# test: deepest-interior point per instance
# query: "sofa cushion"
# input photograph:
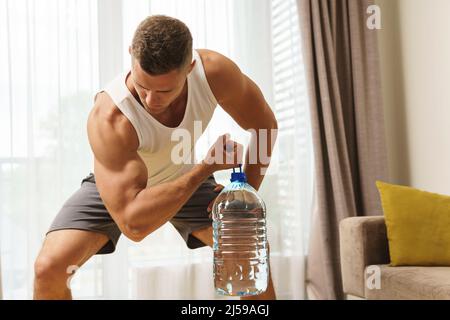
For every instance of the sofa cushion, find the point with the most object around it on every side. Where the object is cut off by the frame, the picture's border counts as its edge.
(418, 225)
(412, 283)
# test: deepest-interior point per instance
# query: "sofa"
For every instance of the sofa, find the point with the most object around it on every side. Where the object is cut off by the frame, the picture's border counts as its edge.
(366, 273)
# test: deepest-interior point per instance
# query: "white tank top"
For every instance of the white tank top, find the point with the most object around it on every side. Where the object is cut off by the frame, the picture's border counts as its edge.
(155, 139)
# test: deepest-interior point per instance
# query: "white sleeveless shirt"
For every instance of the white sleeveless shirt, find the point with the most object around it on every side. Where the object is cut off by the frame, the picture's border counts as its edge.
(155, 139)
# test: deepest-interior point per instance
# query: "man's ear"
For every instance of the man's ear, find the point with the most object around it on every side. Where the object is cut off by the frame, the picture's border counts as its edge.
(129, 49)
(192, 66)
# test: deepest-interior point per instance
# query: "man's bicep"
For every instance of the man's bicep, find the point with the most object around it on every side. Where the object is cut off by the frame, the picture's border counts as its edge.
(238, 95)
(118, 186)
(249, 108)
(119, 171)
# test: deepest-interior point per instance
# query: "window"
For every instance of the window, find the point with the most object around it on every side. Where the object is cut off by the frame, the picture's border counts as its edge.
(294, 172)
(48, 74)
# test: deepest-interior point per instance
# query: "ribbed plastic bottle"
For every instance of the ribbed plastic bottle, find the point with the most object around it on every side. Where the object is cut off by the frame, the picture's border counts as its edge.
(241, 258)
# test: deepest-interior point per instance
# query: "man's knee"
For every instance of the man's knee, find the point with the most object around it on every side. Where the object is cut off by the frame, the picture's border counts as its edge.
(52, 269)
(205, 235)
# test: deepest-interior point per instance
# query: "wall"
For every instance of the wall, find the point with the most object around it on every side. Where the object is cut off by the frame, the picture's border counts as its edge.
(415, 67)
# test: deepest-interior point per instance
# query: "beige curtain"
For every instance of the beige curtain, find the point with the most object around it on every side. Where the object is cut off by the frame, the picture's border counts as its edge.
(341, 58)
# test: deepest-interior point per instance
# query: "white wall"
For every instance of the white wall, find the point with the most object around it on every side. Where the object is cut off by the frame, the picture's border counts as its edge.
(415, 65)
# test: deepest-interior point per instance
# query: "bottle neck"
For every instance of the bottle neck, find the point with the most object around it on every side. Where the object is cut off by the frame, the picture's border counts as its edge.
(238, 176)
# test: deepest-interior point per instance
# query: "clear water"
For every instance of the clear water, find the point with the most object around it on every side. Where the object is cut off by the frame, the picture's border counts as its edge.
(240, 251)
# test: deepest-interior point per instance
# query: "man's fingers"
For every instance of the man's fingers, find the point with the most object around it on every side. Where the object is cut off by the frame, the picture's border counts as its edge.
(210, 206)
(218, 188)
(224, 138)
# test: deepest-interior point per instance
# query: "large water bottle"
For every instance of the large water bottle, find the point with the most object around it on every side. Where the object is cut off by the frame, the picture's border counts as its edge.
(241, 258)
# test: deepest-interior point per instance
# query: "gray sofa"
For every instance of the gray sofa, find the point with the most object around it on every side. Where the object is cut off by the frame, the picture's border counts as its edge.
(365, 255)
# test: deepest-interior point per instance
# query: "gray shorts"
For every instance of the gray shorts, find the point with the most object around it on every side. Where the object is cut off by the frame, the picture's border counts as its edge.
(85, 210)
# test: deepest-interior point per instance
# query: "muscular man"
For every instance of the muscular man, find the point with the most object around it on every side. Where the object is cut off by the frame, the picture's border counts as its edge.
(136, 186)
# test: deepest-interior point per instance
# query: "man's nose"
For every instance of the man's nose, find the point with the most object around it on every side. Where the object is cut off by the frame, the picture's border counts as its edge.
(151, 98)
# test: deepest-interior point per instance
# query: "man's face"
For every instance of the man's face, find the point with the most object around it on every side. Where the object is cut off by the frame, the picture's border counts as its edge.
(158, 92)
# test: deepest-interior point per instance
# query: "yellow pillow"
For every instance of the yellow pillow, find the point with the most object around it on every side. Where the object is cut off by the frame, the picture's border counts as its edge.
(418, 225)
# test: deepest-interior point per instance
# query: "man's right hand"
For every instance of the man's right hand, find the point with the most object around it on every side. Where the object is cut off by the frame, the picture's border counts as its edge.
(224, 154)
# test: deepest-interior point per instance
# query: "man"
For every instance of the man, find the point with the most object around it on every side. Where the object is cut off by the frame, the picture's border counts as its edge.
(137, 187)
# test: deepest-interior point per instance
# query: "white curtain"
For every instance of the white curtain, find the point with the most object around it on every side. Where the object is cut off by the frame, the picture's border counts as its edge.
(56, 54)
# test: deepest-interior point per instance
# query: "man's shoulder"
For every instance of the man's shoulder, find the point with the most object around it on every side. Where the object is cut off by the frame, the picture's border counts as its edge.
(107, 123)
(220, 71)
(215, 63)
(105, 109)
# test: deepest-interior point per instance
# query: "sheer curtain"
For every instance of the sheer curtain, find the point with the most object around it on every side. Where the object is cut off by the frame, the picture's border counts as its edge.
(57, 55)
(48, 73)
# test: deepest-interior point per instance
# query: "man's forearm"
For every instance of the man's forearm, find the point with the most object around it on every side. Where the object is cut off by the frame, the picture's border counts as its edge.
(255, 170)
(254, 175)
(156, 205)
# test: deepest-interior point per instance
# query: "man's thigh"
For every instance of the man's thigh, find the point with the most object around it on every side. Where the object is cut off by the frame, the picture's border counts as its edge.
(193, 218)
(85, 210)
(71, 248)
(205, 235)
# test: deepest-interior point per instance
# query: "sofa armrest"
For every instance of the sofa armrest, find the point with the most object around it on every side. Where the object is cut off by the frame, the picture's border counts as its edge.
(363, 242)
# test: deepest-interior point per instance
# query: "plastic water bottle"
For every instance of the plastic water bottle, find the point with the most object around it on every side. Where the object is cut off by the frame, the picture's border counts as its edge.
(241, 258)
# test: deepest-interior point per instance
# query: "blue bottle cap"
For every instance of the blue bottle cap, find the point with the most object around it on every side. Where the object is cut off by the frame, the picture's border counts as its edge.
(238, 176)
